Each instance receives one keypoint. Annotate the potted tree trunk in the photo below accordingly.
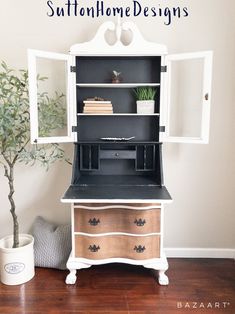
(16, 250)
(145, 99)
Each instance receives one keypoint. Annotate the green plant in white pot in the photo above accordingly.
(16, 251)
(145, 99)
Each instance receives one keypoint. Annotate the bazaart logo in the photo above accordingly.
(203, 305)
(14, 268)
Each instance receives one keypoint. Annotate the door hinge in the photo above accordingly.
(162, 128)
(164, 68)
(74, 128)
(73, 69)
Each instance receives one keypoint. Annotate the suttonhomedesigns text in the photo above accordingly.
(99, 9)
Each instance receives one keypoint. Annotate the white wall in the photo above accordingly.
(200, 178)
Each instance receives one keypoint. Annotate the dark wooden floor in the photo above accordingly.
(196, 286)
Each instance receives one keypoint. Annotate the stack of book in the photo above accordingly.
(94, 106)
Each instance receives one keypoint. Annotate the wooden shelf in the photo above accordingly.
(116, 85)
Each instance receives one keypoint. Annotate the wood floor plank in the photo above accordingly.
(195, 286)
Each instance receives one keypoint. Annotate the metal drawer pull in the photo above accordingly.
(140, 222)
(94, 222)
(139, 249)
(94, 248)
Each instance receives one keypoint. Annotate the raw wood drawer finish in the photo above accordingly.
(117, 220)
(131, 247)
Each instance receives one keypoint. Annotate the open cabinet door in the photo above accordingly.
(53, 99)
(186, 95)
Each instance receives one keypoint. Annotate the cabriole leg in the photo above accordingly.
(71, 277)
(162, 278)
(159, 267)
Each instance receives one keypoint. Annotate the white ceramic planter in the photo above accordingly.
(145, 106)
(16, 264)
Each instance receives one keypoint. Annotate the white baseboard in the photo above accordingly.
(200, 253)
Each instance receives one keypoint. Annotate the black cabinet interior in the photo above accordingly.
(102, 169)
(143, 128)
(133, 69)
(123, 99)
(140, 163)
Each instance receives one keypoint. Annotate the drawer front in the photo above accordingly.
(117, 154)
(117, 220)
(131, 247)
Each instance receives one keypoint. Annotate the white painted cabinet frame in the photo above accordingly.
(33, 55)
(166, 101)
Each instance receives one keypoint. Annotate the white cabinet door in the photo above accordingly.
(185, 97)
(53, 99)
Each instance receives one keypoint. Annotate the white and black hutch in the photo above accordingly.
(117, 193)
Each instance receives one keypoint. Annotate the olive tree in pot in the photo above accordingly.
(16, 251)
(145, 99)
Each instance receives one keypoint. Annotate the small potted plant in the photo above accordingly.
(116, 78)
(145, 99)
(16, 250)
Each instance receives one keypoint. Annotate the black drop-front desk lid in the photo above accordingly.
(122, 192)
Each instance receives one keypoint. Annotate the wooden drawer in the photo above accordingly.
(117, 220)
(118, 246)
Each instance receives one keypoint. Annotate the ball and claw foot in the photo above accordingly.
(71, 278)
(162, 278)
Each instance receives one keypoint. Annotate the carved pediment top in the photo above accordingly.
(99, 45)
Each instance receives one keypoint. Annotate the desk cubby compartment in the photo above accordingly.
(136, 160)
(89, 157)
(145, 158)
